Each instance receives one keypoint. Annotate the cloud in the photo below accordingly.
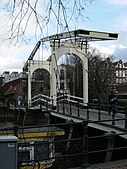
(120, 53)
(117, 2)
(122, 40)
(117, 51)
(123, 23)
(104, 49)
(22, 24)
(117, 48)
(12, 58)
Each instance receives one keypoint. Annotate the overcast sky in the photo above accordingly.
(104, 15)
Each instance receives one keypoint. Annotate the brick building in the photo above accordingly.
(14, 86)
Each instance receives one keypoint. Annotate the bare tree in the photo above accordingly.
(101, 75)
(37, 17)
(75, 76)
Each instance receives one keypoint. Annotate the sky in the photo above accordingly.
(101, 15)
(110, 16)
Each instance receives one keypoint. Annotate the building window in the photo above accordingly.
(116, 73)
(121, 73)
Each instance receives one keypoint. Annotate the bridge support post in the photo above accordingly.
(85, 75)
(85, 163)
(57, 105)
(29, 86)
(69, 137)
(54, 73)
(63, 107)
(110, 137)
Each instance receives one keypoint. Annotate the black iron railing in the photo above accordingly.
(88, 146)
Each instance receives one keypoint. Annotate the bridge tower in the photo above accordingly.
(68, 47)
(32, 66)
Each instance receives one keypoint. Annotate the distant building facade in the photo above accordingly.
(14, 86)
(121, 71)
(121, 78)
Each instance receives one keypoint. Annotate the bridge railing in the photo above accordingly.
(45, 101)
(94, 111)
(70, 98)
(42, 100)
(102, 147)
(74, 106)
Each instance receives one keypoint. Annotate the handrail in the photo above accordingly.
(94, 112)
(42, 96)
(68, 96)
(85, 151)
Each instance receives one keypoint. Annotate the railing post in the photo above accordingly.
(125, 117)
(69, 137)
(63, 107)
(88, 116)
(85, 162)
(58, 105)
(70, 109)
(52, 102)
(46, 103)
(113, 115)
(99, 111)
(78, 108)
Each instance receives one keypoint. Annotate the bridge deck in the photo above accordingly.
(97, 119)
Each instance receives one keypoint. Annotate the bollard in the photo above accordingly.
(63, 107)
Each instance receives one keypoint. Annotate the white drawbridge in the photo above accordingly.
(73, 42)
